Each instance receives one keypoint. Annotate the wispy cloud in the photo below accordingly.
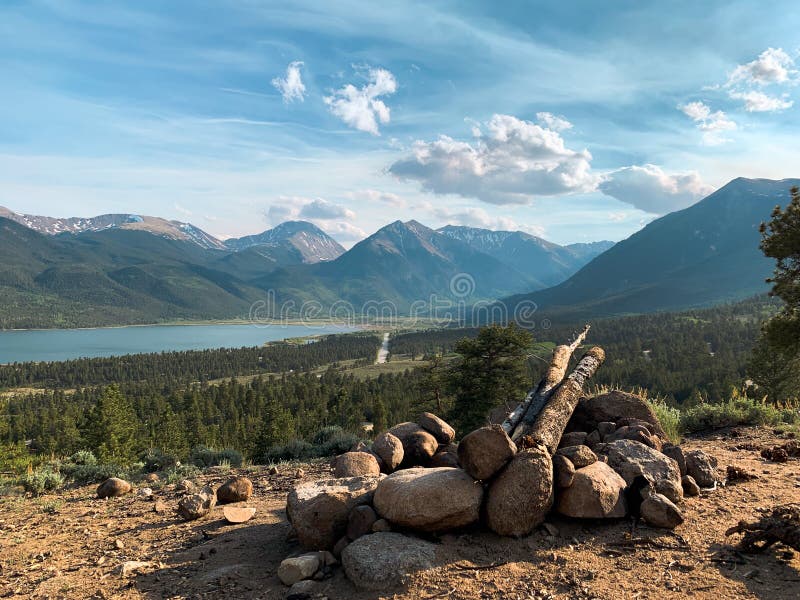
(553, 122)
(291, 86)
(713, 124)
(361, 108)
(651, 189)
(755, 101)
(773, 65)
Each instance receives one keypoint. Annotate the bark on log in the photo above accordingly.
(524, 415)
(551, 422)
(783, 526)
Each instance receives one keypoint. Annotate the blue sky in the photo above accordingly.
(574, 121)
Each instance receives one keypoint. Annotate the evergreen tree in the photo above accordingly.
(277, 429)
(434, 387)
(491, 370)
(777, 355)
(111, 428)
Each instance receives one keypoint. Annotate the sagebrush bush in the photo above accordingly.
(83, 457)
(670, 419)
(85, 474)
(738, 410)
(42, 480)
(208, 457)
(294, 450)
(179, 473)
(154, 460)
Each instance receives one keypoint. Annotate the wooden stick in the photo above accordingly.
(524, 415)
(552, 420)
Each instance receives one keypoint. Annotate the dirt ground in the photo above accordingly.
(72, 545)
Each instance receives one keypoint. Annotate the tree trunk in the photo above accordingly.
(552, 420)
(523, 417)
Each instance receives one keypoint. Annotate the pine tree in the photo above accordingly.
(277, 429)
(111, 428)
(489, 371)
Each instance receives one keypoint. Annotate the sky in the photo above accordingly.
(574, 121)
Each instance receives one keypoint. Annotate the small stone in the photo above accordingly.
(339, 546)
(238, 514)
(690, 487)
(550, 528)
(113, 487)
(563, 471)
(360, 521)
(273, 470)
(439, 429)
(236, 489)
(198, 505)
(152, 478)
(676, 454)
(299, 474)
(119, 544)
(145, 493)
(390, 449)
(702, 467)
(134, 566)
(574, 438)
(187, 486)
(302, 590)
(593, 438)
(381, 525)
(580, 456)
(485, 451)
(658, 511)
(292, 570)
(160, 507)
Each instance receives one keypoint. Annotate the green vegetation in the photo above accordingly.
(737, 410)
(776, 360)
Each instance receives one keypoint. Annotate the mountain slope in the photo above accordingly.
(175, 230)
(547, 263)
(400, 264)
(300, 241)
(705, 254)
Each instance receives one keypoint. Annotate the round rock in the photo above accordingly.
(356, 464)
(580, 456)
(563, 471)
(597, 492)
(113, 487)
(390, 449)
(660, 512)
(485, 451)
(236, 489)
(438, 428)
(385, 560)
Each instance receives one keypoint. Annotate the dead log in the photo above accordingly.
(527, 411)
(782, 525)
(552, 420)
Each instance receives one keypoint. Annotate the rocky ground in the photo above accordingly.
(75, 546)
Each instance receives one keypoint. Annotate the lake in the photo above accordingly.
(65, 344)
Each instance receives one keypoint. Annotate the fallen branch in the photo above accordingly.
(524, 415)
(781, 526)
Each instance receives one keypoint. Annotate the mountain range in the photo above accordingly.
(116, 269)
(702, 255)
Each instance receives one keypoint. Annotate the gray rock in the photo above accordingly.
(573, 438)
(390, 449)
(563, 471)
(520, 497)
(444, 459)
(292, 570)
(418, 449)
(302, 590)
(318, 510)
(676, 454)
(355, 464)
(702, 467)
(384, 560)
(658, 511)
(593, 438)
(360, 521)
(690, 487)
(236, 489)
(381, 525)
(613, 407)
(606, 428)
(339, 546)
(429, 499)
(597, 492)
(438, 428)
(580, 456)
(630, 458)
(196, 506)
(113, 487)
(485, 451)
(638, 433)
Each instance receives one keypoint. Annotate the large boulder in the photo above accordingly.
(485, 451)
(630, 458)
(660, 512)
(236, 489)
(613, 406)
(318, 510)
(390, 450)
(702, 467)
(195, 506)
(384, 560)
(438, 428)
(597, 492)
(429, 499)
(113, 487)
(355, 464)
(522, 494)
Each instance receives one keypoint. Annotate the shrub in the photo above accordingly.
(42, 480)
(208, 457)
(294, 450)
(83, 457)
(179, 473)
(670, 419)
(738, 410)
(326, 434)
(85, 474)
(154, 460)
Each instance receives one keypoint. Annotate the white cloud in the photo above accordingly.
(478, 217)
(183, 210)
(712, 124)
(755, 101)
(553, 122)
(617, 216)
(772, 66)
(652, 190)
(360, 108)
(323, 209)
(374, 196)
(510, 163)
(344, 232)
(291, 87)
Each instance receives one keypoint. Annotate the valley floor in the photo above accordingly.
(72, 545)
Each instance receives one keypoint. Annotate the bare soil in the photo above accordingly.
(72, 546)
